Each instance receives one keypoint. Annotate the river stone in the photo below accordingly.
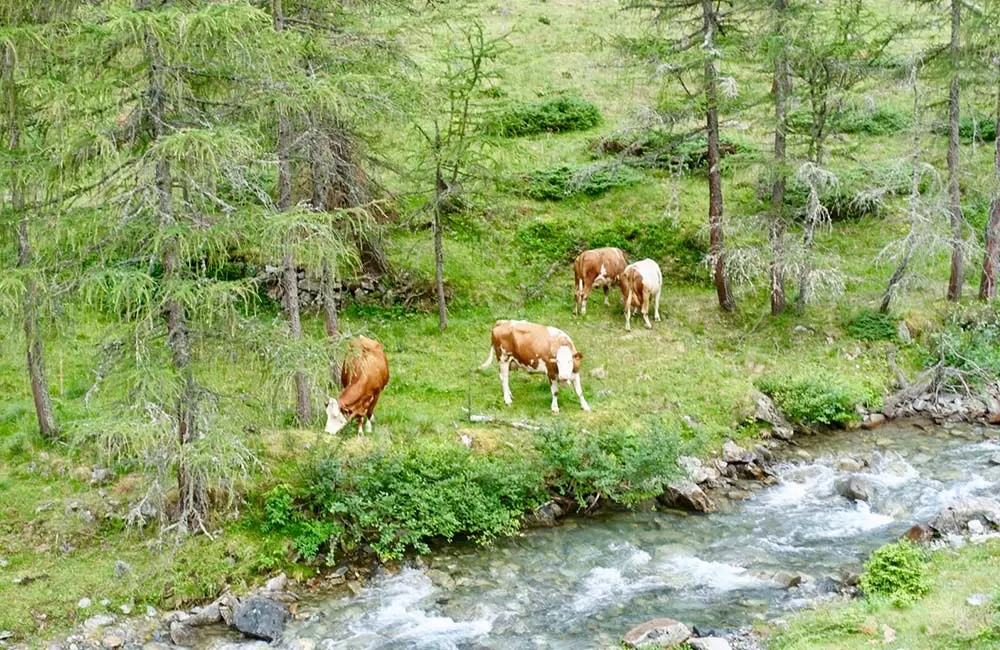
(854, 487)
(709, 643)
(733, 453)
(182, 634)
(687, 495)
(995, 459)
(113, 641)
(544, 516)
(207, 615)
(873, 421)
(849, 464)
(697, 471)
(659, 632)
(956, 517)
(260, 618)
(440, 579)
(98, 621)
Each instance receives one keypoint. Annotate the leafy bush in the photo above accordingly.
(678, 252)
(861, 191)
(555, 115)
(881, 121)
(898, 572)
(565, 181)
(968, 345)
(662, 149)
(402, 498)
(981, 127)
(626, 466)
(871, 325)
(818, 398)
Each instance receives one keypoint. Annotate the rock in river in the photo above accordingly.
(688, 496)
(659, 632)
(261, 618)
(956, 517)
(854, 487)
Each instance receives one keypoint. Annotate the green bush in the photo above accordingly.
(678, 252)
(871, 325)
(898, 572)
(817, 398)
(981, 127)
(626, 466)
(401, 499)
(565, 181)
(968, 343)
(555, 115)
(661, 149)
(861, 191)
(881, 121)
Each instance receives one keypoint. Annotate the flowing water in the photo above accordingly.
(586, 582)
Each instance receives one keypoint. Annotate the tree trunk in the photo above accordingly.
(44, 412)
(776, 228)
(439, 190)
(715, 213)
(956, 279)
(991, 258)
(910, 243)
(303, 399)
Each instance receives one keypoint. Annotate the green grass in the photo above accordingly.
(696, 363)
(941, 620)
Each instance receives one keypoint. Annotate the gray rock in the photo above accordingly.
(854, 487)
(261, 618)
(688, 496)
(6, 634)
(994, 460)
(440, 578)
(277, 583)
(207, 615)
(787, 579)
(697, 471)
(956, 517)
(733, 453)
(97, 622)
(122, 568)
(100, 475)
(850, 465)
(766, 411)
(182, 634)
(150, 611)
(709, 643)
(125, 608)
(599, 373)
(544, 516)
(4, 562)
(976, 527)
(83, 603)
(873, 421)
(113, 641)
(663, 632)
(783, 433)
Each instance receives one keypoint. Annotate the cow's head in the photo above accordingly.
(567, 362)
(335, 418)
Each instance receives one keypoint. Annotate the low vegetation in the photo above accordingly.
(554, 115)
(819, 398)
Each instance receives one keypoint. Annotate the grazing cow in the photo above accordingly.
(639, 282)
(595, 268)
(536, 348)
(364, 374)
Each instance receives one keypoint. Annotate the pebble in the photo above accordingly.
(84, 603)
(5, 562)
(150, 611)
(113, 641)
(977, 600)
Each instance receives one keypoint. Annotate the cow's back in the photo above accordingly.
(587, 264)
(365, 361)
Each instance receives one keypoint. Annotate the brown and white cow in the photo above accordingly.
(599, 267)
(364, 374)
(641, 282)
(536, 348)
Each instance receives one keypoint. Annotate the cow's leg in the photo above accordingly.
(361, 424)
(645, 309)
(656, 305)
(505, 380)
(579, 392)
(577, 285)
(628, 311)
(606, 302)
(587, 288)
(554, 384)
(370, 420)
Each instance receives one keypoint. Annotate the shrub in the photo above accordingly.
(898, 572)
(555, 115)
(981, 127)
(818, 398)
(871, 325)
(881, 121)
(662, 149)
(968, 345)
(565, 181)
(861, 191)
(625, 465)
(400, 499)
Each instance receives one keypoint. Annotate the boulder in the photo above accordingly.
(787, 579)
(544, 516)
(733, 453)
(261, 618)
(766, 411)
(709, 643)
(659, 632)
(183, 635)
(873, 421)
(854, 487)
(956, 517)
(995, 459)
(207, 615)
(688, 496)
(98, 621)
(113, 641)
(697, 471)
(277, 583)
(848, 464)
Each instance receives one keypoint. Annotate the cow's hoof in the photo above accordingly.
(585, 407)
(555, 411)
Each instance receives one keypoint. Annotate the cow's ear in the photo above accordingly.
(578, 355)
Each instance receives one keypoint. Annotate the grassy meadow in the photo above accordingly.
(507, 256)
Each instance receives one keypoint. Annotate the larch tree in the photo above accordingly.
(25, 29)
(956, 277)
(704, 24)
(777, 219)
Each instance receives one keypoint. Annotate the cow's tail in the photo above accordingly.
(489, 359)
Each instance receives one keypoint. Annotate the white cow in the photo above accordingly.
(640, 282)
